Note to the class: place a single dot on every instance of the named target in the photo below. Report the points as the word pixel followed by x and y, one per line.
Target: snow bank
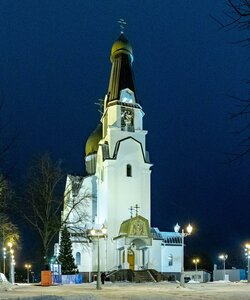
pixel 193 281
pixel 3 278
pixel 4 283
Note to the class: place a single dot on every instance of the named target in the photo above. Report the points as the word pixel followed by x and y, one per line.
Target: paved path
pixel 134 291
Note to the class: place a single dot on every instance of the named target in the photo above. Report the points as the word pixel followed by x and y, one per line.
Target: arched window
pixel 129 171
pixel 78 258
pixel 170 260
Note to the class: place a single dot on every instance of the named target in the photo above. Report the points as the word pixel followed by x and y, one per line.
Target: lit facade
pixel 116 193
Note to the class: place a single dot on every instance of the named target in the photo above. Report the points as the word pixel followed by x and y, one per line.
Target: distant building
pixel 200 275
pixel 230 274
pixel 117 188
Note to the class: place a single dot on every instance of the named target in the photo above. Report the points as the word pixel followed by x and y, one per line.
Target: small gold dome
pixel 121 46
pixel 93 141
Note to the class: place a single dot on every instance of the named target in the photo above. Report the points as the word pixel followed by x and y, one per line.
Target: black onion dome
pixel 121 76
pixel 121 46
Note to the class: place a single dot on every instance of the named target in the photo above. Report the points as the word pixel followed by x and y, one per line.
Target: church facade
pixel 116 193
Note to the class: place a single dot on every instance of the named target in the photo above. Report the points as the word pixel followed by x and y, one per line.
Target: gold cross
pixel 122 24
pixel 136 209
pixel 131 211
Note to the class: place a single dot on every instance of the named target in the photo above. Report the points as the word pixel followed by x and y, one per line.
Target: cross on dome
pixel 136 209
pixel 122 25
pixel 131 211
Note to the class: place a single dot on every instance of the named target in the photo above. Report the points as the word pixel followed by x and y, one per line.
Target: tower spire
pixel 121 76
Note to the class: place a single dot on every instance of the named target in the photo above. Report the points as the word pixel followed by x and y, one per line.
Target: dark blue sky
pixel 54 65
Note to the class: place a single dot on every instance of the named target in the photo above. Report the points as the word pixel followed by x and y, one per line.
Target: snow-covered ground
pixel 162 290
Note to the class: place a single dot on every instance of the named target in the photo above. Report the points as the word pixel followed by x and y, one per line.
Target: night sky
pixel 54 66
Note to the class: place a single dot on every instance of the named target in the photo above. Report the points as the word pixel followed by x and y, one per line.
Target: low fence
pixel 67 279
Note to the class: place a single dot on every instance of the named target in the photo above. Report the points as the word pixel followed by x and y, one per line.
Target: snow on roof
pixel 167 237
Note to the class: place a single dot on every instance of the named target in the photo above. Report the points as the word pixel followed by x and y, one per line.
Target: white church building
pixel 116 193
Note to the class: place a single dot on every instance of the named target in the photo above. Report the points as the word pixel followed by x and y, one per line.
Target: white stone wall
pixel 117 192
pixel 86 209
pixel 85 201
pixel 155 256
pixel 114 133
pixel 86 256
pixel 166 252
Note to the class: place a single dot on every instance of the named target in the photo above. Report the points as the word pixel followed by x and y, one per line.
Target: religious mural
pixel 127 119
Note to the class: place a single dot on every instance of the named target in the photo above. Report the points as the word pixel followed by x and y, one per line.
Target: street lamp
pixel 4 259
pixel 28 267
pixel 196 261
pixel 247 253
pixel 183 234
pixel 11 263
pixel 224 258
pixel 98 233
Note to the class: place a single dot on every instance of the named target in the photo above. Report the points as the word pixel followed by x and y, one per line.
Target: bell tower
pixel 122 111
pixel 123 167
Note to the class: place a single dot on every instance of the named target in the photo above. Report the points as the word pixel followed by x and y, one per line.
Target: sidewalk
pixel 135 291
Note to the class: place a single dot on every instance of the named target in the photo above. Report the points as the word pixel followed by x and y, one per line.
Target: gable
pixel 129 147
pixel 135 227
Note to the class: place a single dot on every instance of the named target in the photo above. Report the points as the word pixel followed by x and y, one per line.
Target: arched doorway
pixel 130 259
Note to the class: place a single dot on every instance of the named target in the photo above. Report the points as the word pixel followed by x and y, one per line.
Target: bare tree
pixel 237 17
pixel 75 215
pixel 44 201
pixel 243 132
pixel 8 231
pixel 42 204
pixel 7 141
pixel 75 203
pixel 239 14
pixel 4 193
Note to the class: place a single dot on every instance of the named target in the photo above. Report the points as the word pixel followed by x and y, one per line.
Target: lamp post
pixel 28 267
pixel 247 253
pixel 224 258
pixel 12 266
pixel 4 259
pixel 183 234
pixel 98 233
pixel 196 261
pixel 11 263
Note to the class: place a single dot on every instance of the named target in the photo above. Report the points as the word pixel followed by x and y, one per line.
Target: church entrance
pixel 130 259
